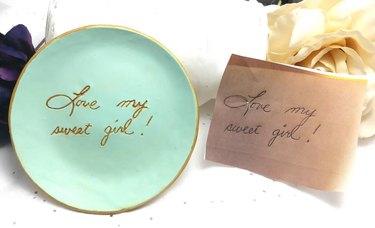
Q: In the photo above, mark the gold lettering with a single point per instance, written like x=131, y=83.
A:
x=72, y=103
x=111, y=130
x=72, y=131
x=138, y=106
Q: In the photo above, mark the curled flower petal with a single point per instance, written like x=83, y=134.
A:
x=3, y=115
x=367, y=128
x=8, y=53
x=9, y=74
x=15, y=50
x=364, y=19
x=337, y=36
x=5, y=94
x=20, y=39
x=4, y=134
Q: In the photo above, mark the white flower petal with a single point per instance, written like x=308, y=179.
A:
x=367, y=128
x=336, y=36
x=340, y=60
x=369, y=103
x=364, y=20
x=328, y=62
x=321, y=54
x=307, y=23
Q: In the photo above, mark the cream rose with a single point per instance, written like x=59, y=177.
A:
x=336, y=36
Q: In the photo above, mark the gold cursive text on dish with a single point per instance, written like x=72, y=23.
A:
x=136, y=105
x=72, y=130
x=124, y=128
x=71, y=103
x=112, y=130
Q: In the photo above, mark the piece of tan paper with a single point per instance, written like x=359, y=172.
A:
x=286, y=123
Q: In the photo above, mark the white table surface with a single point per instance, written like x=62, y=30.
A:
x=206, y=194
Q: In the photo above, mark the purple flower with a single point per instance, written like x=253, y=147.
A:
x=16, y=49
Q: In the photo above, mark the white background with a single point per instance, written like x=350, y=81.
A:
x=206, y=194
